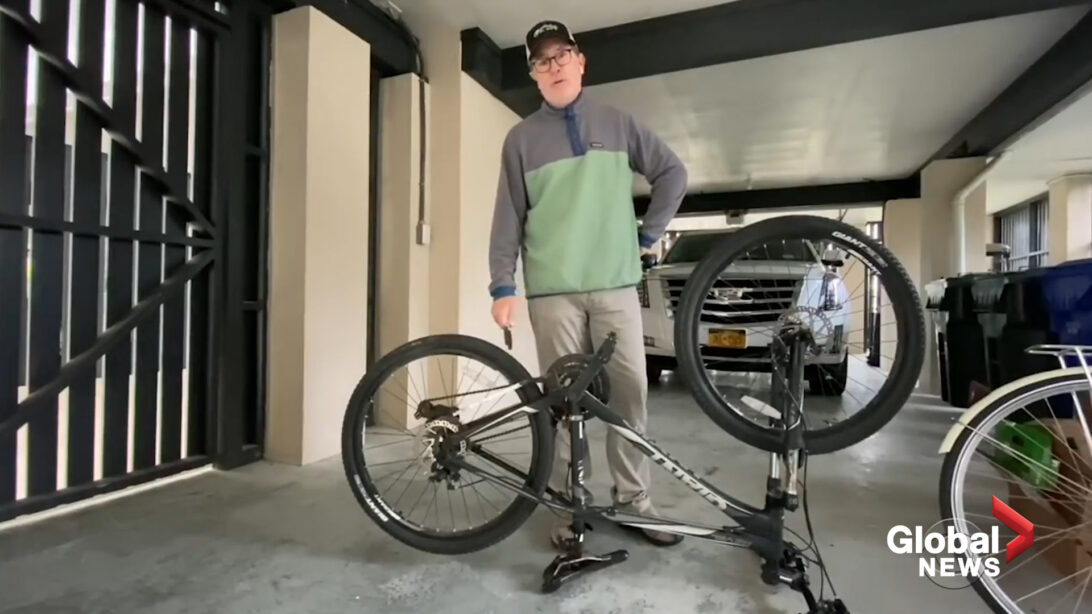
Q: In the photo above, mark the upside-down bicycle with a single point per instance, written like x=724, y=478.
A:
x=787, y=304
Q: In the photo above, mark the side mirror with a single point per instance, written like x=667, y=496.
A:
x=833, y=258
x=648, y=261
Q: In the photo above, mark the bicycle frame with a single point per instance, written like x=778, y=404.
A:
x=760, y=530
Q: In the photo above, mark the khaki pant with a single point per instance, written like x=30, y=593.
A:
x=579, y=323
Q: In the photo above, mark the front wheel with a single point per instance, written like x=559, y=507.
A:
x=843, y=286
x=421, y=485
x=1026, y=446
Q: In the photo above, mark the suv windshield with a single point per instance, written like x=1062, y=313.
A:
x=692, y=247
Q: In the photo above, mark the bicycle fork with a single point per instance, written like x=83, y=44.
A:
x=787, y=398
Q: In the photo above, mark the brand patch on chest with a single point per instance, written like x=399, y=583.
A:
x=595, y=145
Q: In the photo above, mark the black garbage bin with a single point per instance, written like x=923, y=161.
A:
x=987, y=290
x=936, y=305
x=1027, y=323
x=965, y=341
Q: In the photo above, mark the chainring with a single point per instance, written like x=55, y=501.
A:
x=565, y=370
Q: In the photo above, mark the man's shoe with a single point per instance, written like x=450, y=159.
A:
x=644, y=507
x=656, y=538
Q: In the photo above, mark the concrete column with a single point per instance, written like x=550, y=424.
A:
x=1070, y=225
x=977, y=231
x=403, y=276
x=318, y=244
x=922, y=235
x=441, y=48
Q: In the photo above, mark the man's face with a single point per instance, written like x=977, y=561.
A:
x=558, y=69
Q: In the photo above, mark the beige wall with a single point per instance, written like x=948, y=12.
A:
x=318, y=232
x=466, y=132
x=485, y=121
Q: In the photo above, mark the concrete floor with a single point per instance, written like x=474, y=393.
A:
x=275, y=539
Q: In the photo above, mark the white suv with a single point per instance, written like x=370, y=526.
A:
x=738, y=319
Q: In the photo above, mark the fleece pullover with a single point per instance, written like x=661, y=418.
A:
x=564, y=200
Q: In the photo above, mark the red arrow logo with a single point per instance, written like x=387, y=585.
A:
x=1024, y=529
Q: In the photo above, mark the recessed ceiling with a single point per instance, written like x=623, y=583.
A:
x=507, y=21
x=1061, y=145
x=868, y=110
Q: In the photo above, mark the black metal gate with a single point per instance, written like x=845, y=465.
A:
x=133, y=163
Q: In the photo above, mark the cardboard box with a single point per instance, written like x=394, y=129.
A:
x=1068, y=505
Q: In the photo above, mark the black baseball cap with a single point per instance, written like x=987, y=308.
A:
x=544, y=31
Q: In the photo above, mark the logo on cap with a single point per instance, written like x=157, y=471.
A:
x=543, y=28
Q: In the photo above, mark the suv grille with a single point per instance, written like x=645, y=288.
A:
x=742, y=301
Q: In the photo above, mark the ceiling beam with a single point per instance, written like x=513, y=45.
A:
x=393, y=49
x=732, y=32
x=802, y=196
x=1047, y=86
x=482, y=62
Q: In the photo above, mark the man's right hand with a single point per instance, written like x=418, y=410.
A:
x=504, y=311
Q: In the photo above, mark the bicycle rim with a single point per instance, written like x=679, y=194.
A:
x=895, y=355
x=1019, y=450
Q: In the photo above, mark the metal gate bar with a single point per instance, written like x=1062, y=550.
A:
x=132, y=283
x=13, y=174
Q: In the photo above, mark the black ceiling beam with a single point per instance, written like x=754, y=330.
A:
x=742, y=30
x=1063, y=72
x=393, y=49
x=816, y=195
x=482, y=61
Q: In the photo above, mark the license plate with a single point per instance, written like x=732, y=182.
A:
x=733, y=339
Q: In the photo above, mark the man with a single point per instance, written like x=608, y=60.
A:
x=564, y=202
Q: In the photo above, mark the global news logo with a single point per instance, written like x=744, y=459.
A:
x=964, y=554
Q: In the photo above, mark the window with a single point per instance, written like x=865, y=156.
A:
x=1024, y=229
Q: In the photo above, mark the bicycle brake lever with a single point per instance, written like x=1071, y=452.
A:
x=508, y=338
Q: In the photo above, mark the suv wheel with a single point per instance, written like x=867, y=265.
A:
x=829, y=380
x=654, y=372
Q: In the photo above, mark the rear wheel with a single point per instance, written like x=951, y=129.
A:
x=765, y=276
x=400, y=466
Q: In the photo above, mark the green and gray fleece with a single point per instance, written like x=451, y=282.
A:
x=564, y=200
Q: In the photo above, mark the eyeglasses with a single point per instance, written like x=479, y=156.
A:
x=562, y=58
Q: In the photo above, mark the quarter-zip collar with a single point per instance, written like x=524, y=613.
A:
x=576, y=106
x=571, y=113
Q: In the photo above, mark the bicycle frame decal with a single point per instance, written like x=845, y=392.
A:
x=681, y=473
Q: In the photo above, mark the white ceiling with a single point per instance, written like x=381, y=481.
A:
x=507, y=21
x=867, y=110
x=872, y=109
x=1060, y=145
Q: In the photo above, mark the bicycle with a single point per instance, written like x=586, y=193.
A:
x=575, y=389
x=1036, y=433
